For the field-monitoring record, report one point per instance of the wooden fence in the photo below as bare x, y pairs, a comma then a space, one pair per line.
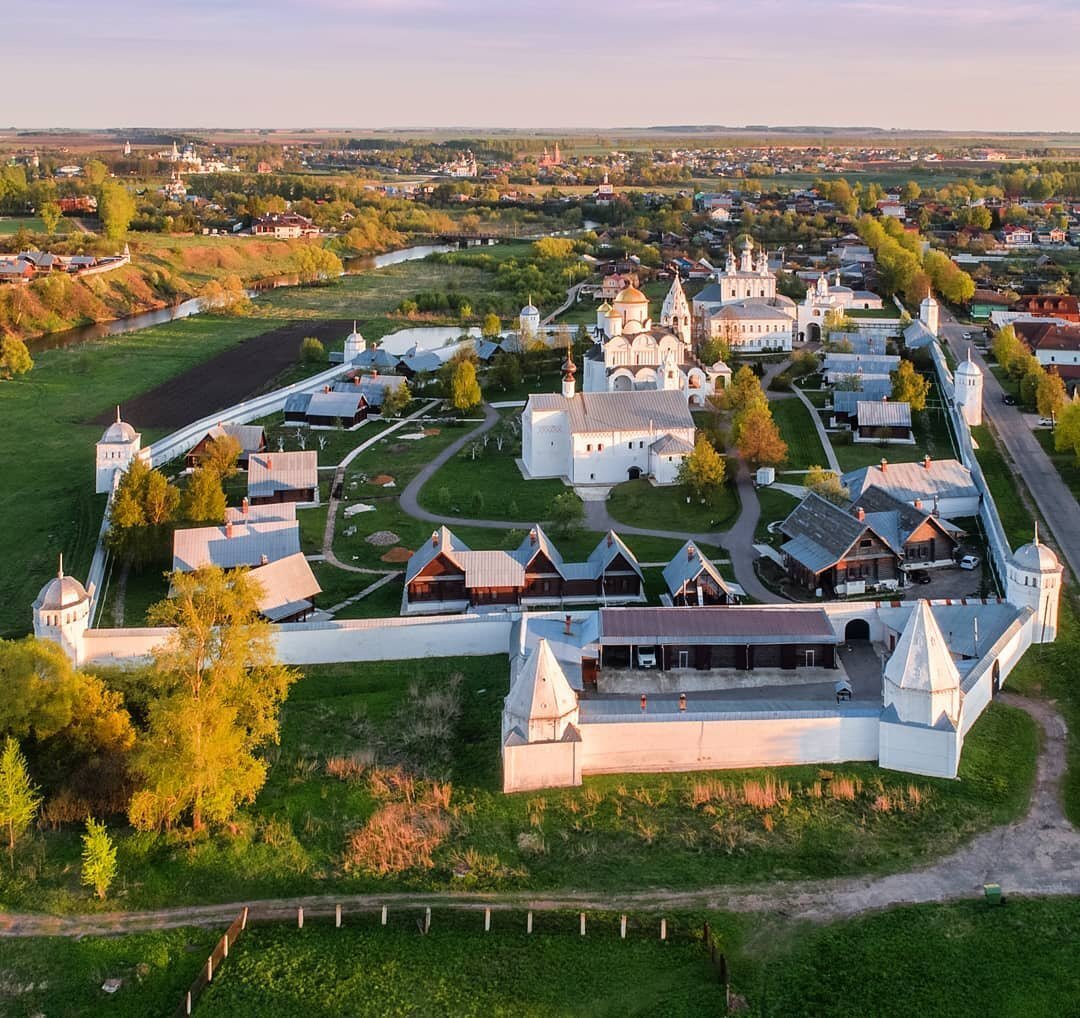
206, 973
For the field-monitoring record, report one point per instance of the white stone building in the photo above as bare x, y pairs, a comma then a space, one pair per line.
606, 437
967, 390
632, 354
823, 299
118, 446
62, 613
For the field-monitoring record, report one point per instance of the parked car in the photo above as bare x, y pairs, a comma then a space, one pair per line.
646, 658
1008, 400
967, 335
969, 562
1046, 422
919, 576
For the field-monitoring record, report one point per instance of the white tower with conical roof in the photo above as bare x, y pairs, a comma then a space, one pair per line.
928, 313
529, 322
967, 390
675, 313
355, 345
541, 703
118, 446
922, 682
62, 613
1033, 580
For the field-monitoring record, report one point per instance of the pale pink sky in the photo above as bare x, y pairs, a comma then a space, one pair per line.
525, 63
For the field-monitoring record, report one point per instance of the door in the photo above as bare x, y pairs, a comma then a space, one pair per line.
809, 659
634, 473
684, 659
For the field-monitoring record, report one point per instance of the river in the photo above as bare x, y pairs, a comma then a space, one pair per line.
193, 306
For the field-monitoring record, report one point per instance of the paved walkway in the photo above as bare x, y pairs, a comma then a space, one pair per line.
566, 305
1055, 501
830, 453
1037, 855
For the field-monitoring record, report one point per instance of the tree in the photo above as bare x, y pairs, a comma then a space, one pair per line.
316, 264
312, 351
95, 172
395, 399
222, 456
744, 394
15, 359
116, 209
50, 215
506, 370
1067, 431
1006, 347
566, 513
98, 858
827, 484
19, 797
837, 321
144, 505
491, 326
702, 472
910, 191
464, 388
1031, 378
1050, 395
759, 441
217, 691
204, 498
908, 386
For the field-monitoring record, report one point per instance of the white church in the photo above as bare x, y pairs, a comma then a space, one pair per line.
631, 353
824, 298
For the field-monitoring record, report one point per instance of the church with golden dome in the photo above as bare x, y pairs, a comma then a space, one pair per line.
631, 352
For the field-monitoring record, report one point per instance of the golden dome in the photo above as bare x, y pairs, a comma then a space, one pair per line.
631, 295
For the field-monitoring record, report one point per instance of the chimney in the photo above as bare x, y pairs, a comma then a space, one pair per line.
644, 702
860, 514
434, 539
245, 505
682, 701
568, 625
689, 553
532, 537
228, 529
356, 379
264, 559
884, 464
326, 388
610, 538
918, 503
374, 373
269, 462
926, 462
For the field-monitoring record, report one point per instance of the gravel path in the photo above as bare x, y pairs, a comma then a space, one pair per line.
1037, 855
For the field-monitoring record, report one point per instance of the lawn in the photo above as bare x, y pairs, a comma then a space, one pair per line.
775, 505
11, 225
797, 429
1065, 462
459, 970
641, 504
47, 500
1014, 514
932, 438
616, 832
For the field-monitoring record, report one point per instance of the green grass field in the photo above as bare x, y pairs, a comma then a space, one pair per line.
10, 225
1014, 514
641, 504
1065, 462
616, 832
797, 429
932, 439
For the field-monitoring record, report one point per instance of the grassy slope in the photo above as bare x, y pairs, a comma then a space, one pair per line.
1065, 462
617, 832
796, 428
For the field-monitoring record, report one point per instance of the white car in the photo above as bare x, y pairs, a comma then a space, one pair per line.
646, 658
1046, 422
969, 562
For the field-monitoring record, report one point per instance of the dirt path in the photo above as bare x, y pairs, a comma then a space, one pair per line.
1037, 855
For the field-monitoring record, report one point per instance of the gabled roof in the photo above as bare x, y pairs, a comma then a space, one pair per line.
535, 543
442, 542
821, 533
669, 445
250, 436
607, 549
895, 521
947, 478
846, 401
282, 471
921, 660
883, 414
687, 564
286, 586
636, 410
541, 691
242, 544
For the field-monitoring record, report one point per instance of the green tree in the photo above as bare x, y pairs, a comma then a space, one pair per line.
1006, 347
743, 394
703, 470
491, 326
116, 209
506, 370
1050, 395
221, 456
395, 399
566, 514
95, 172
15, 359
312, 351
142, 509
759, 441
837, 321
98, 858
1067, 430
908, 386
827, 484
316, 264
1031, 379
50, 215
910, 191
464, 387
204, 498
19, 796
217, 691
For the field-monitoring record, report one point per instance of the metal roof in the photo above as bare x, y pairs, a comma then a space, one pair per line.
261, 513
844, 401
639, 410
282, 471
492, 569
335, 404
286, 586
728, 625
820, 532
947, 478
245, 546
669, 445
687, 564
883, 414
250, 436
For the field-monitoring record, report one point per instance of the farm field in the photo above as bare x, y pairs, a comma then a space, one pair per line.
354, 735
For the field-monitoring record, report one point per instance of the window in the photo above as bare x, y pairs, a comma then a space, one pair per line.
600, 447
629, 445
588, 448
865, 542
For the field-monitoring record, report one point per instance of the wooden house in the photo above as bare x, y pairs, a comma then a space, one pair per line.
283, 477
252, 439
693, 581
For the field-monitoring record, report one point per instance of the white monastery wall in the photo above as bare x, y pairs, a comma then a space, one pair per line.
531, 766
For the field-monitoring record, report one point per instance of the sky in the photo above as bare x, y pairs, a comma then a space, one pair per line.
541, 63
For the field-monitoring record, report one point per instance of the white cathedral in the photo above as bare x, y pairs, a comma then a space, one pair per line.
631, 353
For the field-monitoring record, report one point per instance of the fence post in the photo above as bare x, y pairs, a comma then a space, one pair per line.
187, 1003
528, 922
487, 919
582, 922
337, 916
300, 918
244, 918
210, 969
622, 927
427, 919
225, 945
384, 915
663, 929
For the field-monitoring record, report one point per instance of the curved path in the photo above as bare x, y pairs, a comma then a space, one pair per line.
1036, 855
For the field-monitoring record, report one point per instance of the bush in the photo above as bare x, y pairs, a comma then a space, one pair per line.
311, 350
